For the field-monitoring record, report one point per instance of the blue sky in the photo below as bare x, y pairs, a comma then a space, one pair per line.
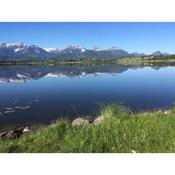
140, 37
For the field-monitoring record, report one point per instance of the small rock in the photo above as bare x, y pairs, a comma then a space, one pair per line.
98, 120
26, 129
80, 122
3, 134
18, 131
167, 112
53, 122
11, 135
1, 114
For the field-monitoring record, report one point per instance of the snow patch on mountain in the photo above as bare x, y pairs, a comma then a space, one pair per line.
53, 49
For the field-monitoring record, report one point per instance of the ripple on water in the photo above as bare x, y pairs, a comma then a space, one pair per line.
23, 107
9, 109
7, 112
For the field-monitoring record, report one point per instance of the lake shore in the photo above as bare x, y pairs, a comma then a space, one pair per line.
117, 129
143, 60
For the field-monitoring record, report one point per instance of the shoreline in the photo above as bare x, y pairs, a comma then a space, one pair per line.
164, 60
35, 126
116, 129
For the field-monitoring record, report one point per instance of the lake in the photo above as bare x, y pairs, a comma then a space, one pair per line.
41, 94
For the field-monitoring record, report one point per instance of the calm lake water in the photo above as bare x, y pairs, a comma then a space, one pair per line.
40, 94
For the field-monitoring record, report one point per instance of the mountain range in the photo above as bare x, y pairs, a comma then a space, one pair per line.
21, 51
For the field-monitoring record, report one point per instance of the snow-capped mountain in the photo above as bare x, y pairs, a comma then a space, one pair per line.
97, 49
21, 51
74, 47
69, 49
114, 48
33, 51
138, 54
117, 51
14, 46
53, 50
158, 53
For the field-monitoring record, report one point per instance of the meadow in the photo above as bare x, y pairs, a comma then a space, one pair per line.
121, 131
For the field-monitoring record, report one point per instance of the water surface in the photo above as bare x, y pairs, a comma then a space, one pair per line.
40, 94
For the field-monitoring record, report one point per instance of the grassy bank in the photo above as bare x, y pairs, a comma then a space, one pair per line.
147, 61
120, 131
143, 60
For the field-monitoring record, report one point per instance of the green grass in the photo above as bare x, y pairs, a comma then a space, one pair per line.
141, 60
121, 131
146, 61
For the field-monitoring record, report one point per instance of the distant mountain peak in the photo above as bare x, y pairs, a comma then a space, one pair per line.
159, 53
21, 51
137, 54
114, 48
33, 46
52, 49
16, 47
97, 49
74, 46
13, 45
156, 53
